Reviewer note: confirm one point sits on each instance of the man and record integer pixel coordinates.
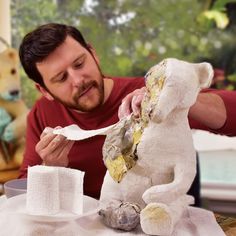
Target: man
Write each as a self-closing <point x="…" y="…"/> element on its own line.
<point x="66" y="71"/>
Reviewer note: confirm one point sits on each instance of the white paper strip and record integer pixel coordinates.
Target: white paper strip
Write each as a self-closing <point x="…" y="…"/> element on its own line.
<point x="74" y="132"/>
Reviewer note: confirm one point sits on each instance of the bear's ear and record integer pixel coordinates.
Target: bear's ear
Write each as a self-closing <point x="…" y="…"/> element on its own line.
<point x="205" y="73"/>
<point x="10" y="55"/>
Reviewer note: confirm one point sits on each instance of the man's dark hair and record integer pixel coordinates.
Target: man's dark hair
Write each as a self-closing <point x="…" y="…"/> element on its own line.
<point x="38" y="44"/>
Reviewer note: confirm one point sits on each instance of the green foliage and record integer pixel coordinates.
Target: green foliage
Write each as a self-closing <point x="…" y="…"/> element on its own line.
<point x="131" y="35"/>
<point x="219" y="5"/>
<point x="26" y="15"/>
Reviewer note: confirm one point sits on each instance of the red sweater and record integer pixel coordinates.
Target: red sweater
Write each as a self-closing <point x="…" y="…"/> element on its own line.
<point x="86" y="155"/>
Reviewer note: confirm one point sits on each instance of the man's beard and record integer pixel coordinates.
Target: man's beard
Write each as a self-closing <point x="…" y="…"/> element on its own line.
<point x="79" y="106"/>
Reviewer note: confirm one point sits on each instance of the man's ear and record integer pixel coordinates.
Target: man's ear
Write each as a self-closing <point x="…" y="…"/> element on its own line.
<point x="44" y="92"/>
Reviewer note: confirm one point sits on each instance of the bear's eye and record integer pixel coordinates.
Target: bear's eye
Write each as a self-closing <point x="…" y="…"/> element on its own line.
<point x="13" y="71"/>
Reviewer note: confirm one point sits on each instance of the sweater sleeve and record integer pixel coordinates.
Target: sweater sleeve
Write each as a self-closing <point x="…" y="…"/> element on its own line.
<point x="229" y="128"/>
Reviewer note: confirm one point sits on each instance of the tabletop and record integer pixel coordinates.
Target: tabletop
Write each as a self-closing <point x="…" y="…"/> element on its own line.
<point x="227" y="224"/>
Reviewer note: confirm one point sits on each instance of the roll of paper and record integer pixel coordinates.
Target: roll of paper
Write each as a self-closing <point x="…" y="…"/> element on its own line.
<point x="71" y="190"/>
<point x="42" y="190"/>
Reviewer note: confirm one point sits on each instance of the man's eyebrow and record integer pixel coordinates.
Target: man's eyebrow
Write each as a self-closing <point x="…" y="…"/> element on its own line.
<point x="61" y="72"/>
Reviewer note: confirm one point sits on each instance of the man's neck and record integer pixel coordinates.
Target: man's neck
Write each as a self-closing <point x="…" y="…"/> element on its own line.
<point x="108" y="86"/>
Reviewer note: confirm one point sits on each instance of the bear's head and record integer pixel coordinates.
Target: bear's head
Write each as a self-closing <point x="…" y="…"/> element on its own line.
<point x="9" y="75"/>
<point x="174" y="84"/>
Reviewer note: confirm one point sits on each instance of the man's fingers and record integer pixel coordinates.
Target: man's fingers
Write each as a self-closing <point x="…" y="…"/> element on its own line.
<point x="65" y="149"/>
<point x="60" y="156"/>
<point x="46" y="131"/>
<point x="46" y="137"/>
<point x="131" y="103"/>
<point x="45" y="140"/>
<point x="136" y="104"/>
<point x="124" y="109"/>
<point x="53" y="148"/>
<point x="48" y="144"/>
<point x="57" y="142"/>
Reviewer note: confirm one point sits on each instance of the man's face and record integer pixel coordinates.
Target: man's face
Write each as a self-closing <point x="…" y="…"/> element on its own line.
<point x="71" y="76"/>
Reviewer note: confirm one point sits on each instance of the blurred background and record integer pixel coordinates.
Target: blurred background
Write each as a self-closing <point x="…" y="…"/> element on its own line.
<point x="130" y="36"/>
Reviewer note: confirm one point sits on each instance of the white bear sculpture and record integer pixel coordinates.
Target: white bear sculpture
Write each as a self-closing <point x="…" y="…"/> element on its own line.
<point x="151" y="161"/>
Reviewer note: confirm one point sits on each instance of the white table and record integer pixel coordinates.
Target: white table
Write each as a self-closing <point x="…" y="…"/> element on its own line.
<point x="195" y="222"/>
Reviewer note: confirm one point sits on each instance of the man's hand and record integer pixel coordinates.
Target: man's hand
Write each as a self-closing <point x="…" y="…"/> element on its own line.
<point x="132" y="103"/>
<point x="53" y="148"/>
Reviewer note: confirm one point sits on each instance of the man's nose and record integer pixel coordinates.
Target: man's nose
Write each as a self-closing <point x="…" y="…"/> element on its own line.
<point x="75" y="77"/>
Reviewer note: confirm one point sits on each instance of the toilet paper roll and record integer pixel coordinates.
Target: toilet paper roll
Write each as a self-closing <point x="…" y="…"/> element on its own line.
<point x="42" y="190"/>
<point x="71" y="189"/>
